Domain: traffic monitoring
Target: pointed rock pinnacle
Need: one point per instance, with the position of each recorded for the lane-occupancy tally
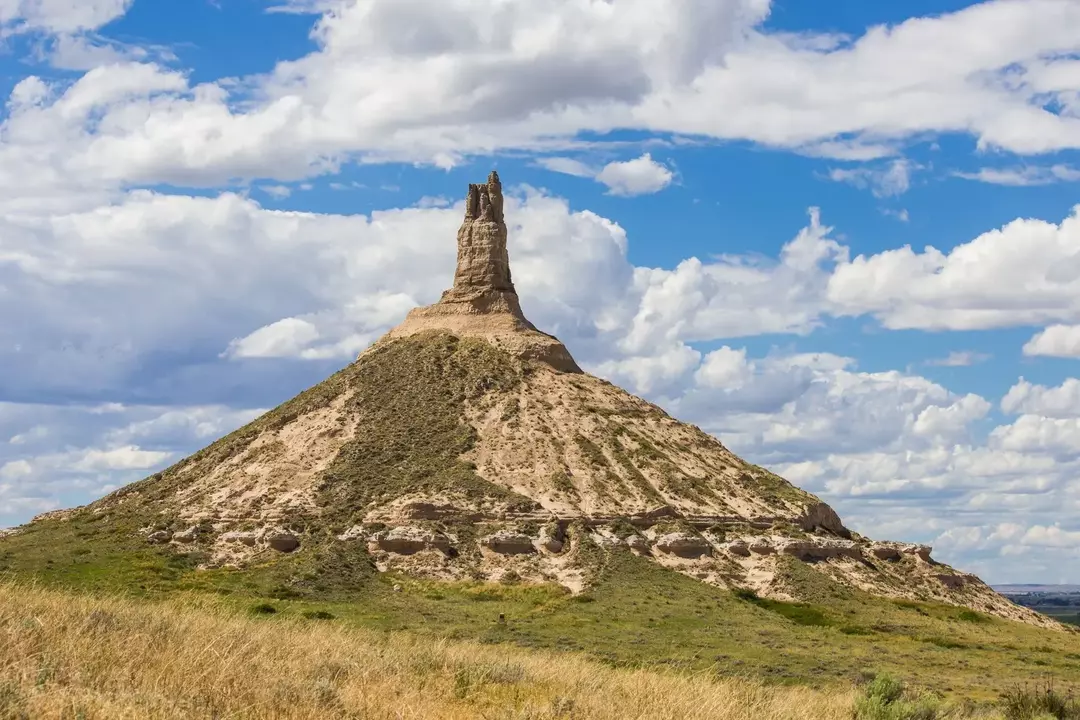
(482, 261)
(483, 303)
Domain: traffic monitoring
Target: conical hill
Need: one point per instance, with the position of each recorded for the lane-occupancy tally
(467, 444)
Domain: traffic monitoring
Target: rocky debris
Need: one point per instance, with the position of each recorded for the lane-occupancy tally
(509, 543)
(683, 544)
(822, 517)
(186, 536)
(409, 539)
(638, 543)
(889, 553)
(953, 582)
(805, 550)
(431, 511)
(159, 537)
(552, 538)
(738, 548)
(284, 542)
(249, 538)
(762, 547)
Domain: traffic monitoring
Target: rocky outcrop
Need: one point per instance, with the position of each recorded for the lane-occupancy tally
(159, 537)
(920, 551)
(820, 516)
(953, 582)
(284, 542)
(638, 543)
(738, 548)
(509, 543)
(683, 544)
(409, 539)
(813, 551)
(552, 538)
(186, 536)
(762, 547)
(483, 265)
(483, 302)
(889, 553)
(249, 538)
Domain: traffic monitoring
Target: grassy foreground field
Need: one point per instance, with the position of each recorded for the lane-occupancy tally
(74, 656)
(79, 657)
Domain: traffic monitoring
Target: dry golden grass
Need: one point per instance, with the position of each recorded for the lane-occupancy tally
(73, 656)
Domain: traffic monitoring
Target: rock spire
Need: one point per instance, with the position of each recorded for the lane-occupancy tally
(483, 264)
(482, 301)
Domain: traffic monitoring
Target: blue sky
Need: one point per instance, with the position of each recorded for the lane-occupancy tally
(840, 236)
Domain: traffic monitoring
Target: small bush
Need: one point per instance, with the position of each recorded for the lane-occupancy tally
(1041, 702)
(318, 615)
(886, 698)
(263, 609)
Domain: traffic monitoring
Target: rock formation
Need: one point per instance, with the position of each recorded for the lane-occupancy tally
(483, 303)
(467, 444)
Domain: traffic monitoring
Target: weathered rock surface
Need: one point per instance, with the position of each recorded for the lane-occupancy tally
(889, 553)
(552, 539)
(806, 550)
(920, 551)
(762, 547)
(683, 545)
(820, 516)
(953, 582)
(159, 537)
(483, 301)
(284, 542)
(186, 536)
(509, 543)
(738, 548)
(408, 539)
(249, 537)
(638, 543)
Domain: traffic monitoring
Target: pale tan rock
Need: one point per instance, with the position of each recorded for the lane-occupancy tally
(762, 547)
(820, 516)
(886, 552)
(509, 543)
(683, 545)
(920, 551)
(738, 548)
(483, 302)
(249, 538)
(408, 539)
